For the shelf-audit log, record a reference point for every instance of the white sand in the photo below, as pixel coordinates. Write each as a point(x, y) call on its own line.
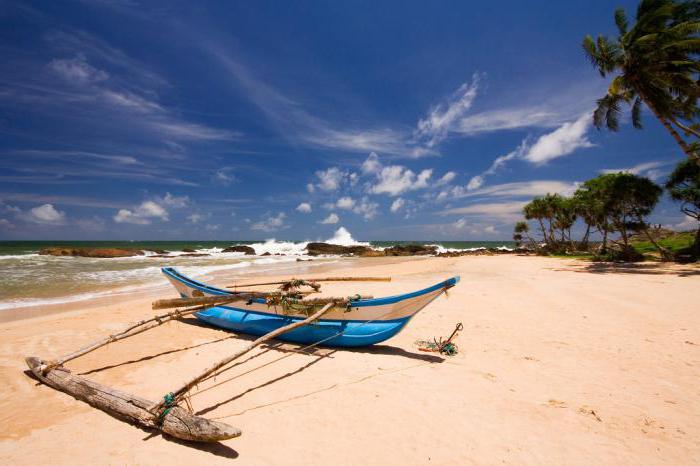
point(558, 364)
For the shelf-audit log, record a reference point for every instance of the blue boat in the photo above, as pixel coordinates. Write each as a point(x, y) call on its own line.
point(365, 322)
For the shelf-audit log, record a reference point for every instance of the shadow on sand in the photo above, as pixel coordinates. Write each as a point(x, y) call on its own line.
point(639, 268)
point(215, 448)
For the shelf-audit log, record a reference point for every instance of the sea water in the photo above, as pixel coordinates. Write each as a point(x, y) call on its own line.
point(29, 279)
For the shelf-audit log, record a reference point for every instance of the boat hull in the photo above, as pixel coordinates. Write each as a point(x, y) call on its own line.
point(367, 322)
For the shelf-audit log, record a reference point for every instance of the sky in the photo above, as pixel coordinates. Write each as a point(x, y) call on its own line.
point(405, 120)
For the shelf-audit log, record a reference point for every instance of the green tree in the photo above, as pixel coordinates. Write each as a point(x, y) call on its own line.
point(655, 62)
point(684, 186)
point(521, 232)
point(537, 209)
point(589, 203)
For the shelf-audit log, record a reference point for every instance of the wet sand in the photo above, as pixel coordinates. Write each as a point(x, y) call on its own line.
point(560, 362)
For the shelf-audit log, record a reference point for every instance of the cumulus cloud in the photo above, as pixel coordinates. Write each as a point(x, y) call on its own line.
point(331, 179)
point(175, 201)
point(442, 118)
point(396, 179)
point(46, 214)
point(142, 214)
point(346, 203)
point(270, 223)
point(496, 209)
point(332, 219)
point(371, 164)
point(366, 208)
point(304, 208)
point(563, 141)
point(446, 178)
point(6, 224)
point(397, 204)
point(196, 218)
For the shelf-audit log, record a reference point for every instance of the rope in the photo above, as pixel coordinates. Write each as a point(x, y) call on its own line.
point(278, 359)
point(169, 400)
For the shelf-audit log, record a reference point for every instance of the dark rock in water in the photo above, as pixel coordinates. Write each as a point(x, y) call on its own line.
point(480, 252)
point(372, 253)
point(303, 260)
point(157, 251)
point(266, 253)
point(91, 252)
point(316, 249)
point(410, 250)
point(196, 254)
point(161, 256)
point(188, 250)
point(247, 250)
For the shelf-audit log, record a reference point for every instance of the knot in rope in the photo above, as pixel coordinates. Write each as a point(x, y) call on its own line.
point(168, 402)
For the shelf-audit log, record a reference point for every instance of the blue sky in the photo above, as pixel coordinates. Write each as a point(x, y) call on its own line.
point(251, 120)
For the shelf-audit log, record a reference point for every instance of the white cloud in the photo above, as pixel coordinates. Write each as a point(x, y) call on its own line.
point(446, 178)
point(652, 170)
point(332, 219)
point(211, 227)
point(196, 218)
point(461, 223)
point(304, 208)
point(523, 189)
point(176, 201)
point(490, 229)
point(142, 214)
point(397, 204)
point(562, 141)
point(271, 223)
point(131, 101)
point(77, 70)
point(346, 203)
point(46, 214)
point(441, 119)
point(366, 208)
point(507, 119)
point(502, 209)
point(688, 223)
point(475, 182)
point(192, 131)
point(331, 179)
point(6, 224)
point(310, 187)
point(371, 164)
point(396, 179)
point(223, 177)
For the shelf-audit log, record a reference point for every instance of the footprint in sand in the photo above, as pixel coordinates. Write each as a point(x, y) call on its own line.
point(556, 403)
point(590, 412)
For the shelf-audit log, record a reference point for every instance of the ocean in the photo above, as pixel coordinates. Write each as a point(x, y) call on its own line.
point(30, 279)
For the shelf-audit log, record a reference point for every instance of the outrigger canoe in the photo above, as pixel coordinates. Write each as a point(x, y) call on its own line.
point(362, 322)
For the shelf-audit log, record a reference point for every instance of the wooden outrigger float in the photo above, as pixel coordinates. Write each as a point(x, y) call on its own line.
point(167, 415)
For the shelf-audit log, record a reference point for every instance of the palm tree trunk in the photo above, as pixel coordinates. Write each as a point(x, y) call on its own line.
point(681, 142)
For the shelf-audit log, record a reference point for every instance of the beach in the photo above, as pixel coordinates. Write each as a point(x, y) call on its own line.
point(560, 362)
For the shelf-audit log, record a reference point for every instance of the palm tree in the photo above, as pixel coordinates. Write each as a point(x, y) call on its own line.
point(684, 185)
point(656, 64)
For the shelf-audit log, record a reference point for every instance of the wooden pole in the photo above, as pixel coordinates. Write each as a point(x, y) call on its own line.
point(176, 422)
point(327, 279)
point(130, 331)
point(179, 392)
point(217, 300)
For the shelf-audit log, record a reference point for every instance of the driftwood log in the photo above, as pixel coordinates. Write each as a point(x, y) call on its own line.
point(177, 422)
point(224, 299)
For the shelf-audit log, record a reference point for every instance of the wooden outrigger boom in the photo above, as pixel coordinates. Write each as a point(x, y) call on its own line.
point(166, 415)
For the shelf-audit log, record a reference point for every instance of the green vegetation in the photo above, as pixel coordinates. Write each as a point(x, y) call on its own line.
point(684, 186)
point(673, 242)
point(614, 205)
point(655, 64)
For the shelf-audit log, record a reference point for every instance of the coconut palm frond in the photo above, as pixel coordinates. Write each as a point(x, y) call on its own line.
point(637, 113)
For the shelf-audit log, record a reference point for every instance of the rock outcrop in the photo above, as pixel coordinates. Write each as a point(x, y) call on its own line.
point(317, 249)
point(91, 252)
point(247, 250)
point(410, 250)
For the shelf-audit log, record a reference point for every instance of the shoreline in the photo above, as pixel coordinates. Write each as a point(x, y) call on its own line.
point(558, 362)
